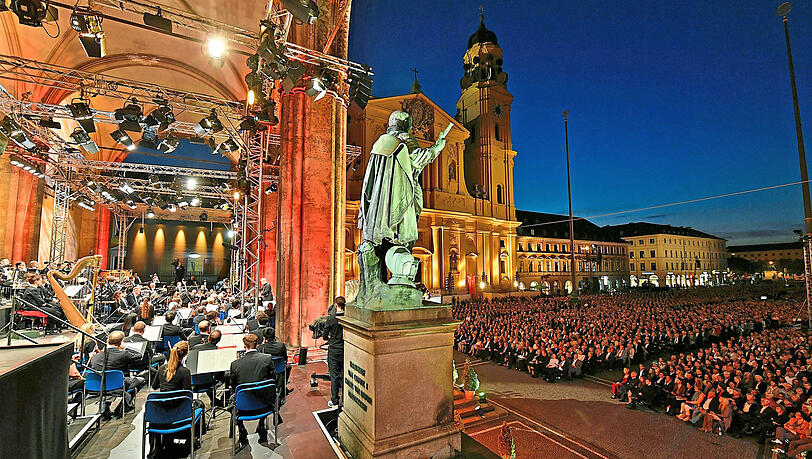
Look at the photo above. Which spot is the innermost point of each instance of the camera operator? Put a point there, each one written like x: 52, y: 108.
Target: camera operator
x: 334, y: 334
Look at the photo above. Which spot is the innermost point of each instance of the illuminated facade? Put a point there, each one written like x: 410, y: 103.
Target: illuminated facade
x: 670, y: 256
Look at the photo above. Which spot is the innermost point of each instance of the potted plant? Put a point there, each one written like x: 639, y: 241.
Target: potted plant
x: 470, y: 383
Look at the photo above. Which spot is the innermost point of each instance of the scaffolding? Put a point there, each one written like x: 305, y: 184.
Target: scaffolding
x: 59, y: 223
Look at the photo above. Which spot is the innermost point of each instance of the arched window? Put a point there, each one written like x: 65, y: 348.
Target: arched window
x: 499, y: 197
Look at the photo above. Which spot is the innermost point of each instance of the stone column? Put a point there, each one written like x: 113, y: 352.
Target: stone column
x: 311, y: 199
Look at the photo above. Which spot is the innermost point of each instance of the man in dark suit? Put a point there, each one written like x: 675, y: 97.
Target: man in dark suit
x: 120, y: 358
x: 260, y: 325
x: 211, y: 343
x: 170, y: 329
x: 34, y: 294
x: 334, y: 334
x: 252, y: 367
x: 276, y: 349
x: 138, y: 337
x: 201, y: 338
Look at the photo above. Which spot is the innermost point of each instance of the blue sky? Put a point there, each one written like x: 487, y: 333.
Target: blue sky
x: 668, y: 101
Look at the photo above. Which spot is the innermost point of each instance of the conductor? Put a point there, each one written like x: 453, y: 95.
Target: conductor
x: 334, y: 334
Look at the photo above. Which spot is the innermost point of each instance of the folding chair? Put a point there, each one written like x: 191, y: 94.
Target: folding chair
x: 168, y: 413
x: 201, y: 384
x: 113, y: 385
x: 251, y: 402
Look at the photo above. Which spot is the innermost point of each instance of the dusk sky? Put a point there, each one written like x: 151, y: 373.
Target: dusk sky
x: 668, y: 101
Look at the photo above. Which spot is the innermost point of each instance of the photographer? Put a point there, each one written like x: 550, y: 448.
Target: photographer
x: 334, y: 334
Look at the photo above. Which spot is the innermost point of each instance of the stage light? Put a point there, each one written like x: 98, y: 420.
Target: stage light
x: 183, y: 203
x: 80, y: 111
x: 191, y: 183
x: 162, y: 117
x: 33, y: 13
x: 268, y: 113
x: 217, y: 48
x: 248, y: 123
x: 129, y: 116
x: 85, y: 203
x: 236, y: 195
x: 204, y: 217
x: 209, y: 124
x: 125, y: 187
x: 172, y: 208
x: 250, y: 97
x: 482, y: 285
x: 230, y: 233
x: 227, y: 146
x: 48, y: 122
x: 15, y: 161
x: 271, y: 51
x: 195, y: 202
x: 130, y: 203
x: 169, y: 144
x: 154, y: 179
x: 158, y: 21
x: 88, y: 24
x: 293, y: 76
x: 303, y: 11
x: 149, y: 138
x: 223, y: 206
x: 272, y: 188
x: 316, y: 87
x: 123, y: 138
x: 13, y: 131
x: 360, y: 83
x: 83, y: 139
x: 150, y: 213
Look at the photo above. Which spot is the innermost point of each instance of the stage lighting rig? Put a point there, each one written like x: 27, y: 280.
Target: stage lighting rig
x: 169, y: 144
x: 80, y: 111
x: 204, y: 217
x: 268, y: 113
x: 129, y: 116
x: 227, y: 146
x: 217, y: 48
x: 83, y: 140
x: 158, y: 21
x: 195, y: 202
x: 130, y: 203
x: 162, y: 117
x: 123, y: 138
x: 149, y: 139
x: 85, y: 203
x: 318, y: 85
x: 191, y: 183
x: 48, y: 122
x: 13, y: 131
x: 150, y: 213
x: 209, y: 124
x: 183, y: 203
x: 360, y: 86
x: 33, y: 12
x: 125, y: 187
x: 88, y: 24
x: 248, y: 123
x: 303, y: 11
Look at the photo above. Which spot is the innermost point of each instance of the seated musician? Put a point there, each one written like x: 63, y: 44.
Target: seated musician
x: 34, y: 295
x: 200, y: 316
x: 275, y: 349
x: 259, y: 325
x: 202, y: 337
x: 119, y: 358
x: 251, y: 367
x: 86, y: 346
x: 170, y: 329
x: 146, y: 312
x: 137, y: 336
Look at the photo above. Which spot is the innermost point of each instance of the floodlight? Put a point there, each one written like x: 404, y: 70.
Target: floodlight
x: 129, y: 117
x: 33, y: 12
x: 303, y: 11
x: 183, y: 203
x: 172, y: 208
x: 191, y: 183
x: 194, y: 202
x: 80, y: 111
x: 150, y: 213
x: 123, y: 138
x: 169, y: 144
x: 13, y: 131
x: 125, y: 187
x: 209, y: 124
x: 248, y: 123
x: 162, y: 117
x: 158, y: 21
x: 360, y: 86
x: 226, y: 147
x: 88, y: 25
x: 316, y: 87
x: 85, y: 203
x: 48, y: 122
x: 268, y: 113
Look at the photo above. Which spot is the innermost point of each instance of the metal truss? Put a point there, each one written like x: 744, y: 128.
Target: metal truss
x: 247, y: 217
x: 122, y: 224
x: 59, y: 222
x: 96, y: 84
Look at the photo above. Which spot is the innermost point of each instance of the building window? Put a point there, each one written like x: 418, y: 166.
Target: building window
x: 502, y: 244
x: 642, y: 266
x: 642, y: 254
x: 496, y: 132
x: 520, y: 247
x: 499, y: 198
x: 653, y: 266
x: 631, y: 255
x: 651, y: 241
x: 502, y: 268
x: 652, y: 254
x: 641, y: 242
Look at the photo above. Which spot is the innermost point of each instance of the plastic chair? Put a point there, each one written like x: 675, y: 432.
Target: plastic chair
x: 170, y: 412
x: 251, y: 403
x: 169, y: 342
x: 113, y: 382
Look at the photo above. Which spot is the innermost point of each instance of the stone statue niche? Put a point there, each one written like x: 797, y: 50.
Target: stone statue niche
x: 391, y: 203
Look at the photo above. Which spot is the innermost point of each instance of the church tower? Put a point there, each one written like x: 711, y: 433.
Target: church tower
x: 484, y: 109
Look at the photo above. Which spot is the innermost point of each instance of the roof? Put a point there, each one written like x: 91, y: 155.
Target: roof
x: 557, y: 226
x: 764, y: 247
x: 646, y: 229
x: 482, y: 34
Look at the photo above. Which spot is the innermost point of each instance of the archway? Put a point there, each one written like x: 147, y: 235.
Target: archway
x: 568, y: 287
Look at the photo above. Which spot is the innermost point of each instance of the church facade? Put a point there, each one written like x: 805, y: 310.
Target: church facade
x: 468, y: 231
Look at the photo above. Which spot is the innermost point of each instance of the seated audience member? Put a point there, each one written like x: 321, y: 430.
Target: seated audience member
x: 170, y: 329
x: 251, y: 367
x: 119, y: 358
x: 200, y: 338
x: 722, y: 417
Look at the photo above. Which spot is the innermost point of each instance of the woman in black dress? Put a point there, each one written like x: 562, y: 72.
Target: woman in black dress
x: 146, y: 312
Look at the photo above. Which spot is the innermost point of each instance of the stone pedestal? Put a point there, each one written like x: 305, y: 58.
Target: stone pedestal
x: 398, y: 399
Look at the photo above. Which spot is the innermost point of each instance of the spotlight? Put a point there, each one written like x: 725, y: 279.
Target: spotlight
x: 154, y: 179
x: 248, y: 123
x: 172, y: 208
x: 129, y: 117
x: 191, y: 183
x: 129, y: 202
x: 268, y: 113
x: 226, y: 147
x: 360, y: 86
x: 217, y: 48
x: 158, y: 21
x: 150, y: 213
x: 272, y: 188
x: 209, y: 124
x: 123, y: 138
x: 275, y: 64
x: 162, y: 117
x: 149, y: 138
x: 125, y: 187
x: 230, y: 233
x: 317, y: 86
x: 33, y: 13
x: 13, y: 131
x: 204, y: 217
x: 80, y: 111
x: 195, y: 202
x: 82, y: 139
x: 183, y: 203
x: 303, y: 11
x: 223, y: 206
x: 88, y: 24
x: 48, y: 122
x: 224, y: 186
x: 292, y: 78
x: 169, y: 144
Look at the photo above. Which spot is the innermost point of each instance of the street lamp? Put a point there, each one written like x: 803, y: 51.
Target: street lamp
x: 572, y: 225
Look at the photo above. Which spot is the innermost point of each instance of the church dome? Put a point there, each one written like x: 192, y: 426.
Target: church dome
x: 482, y: 35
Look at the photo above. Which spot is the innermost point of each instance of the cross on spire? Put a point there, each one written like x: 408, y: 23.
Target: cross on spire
x: 415, y: 86
x: 414, y: 70
x: 481, y: 13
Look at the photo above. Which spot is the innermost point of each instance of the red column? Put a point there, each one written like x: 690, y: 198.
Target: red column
x: 267, y: 251
x: 103, y: 235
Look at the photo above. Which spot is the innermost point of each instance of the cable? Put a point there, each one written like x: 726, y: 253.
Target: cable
x: 678, y: 203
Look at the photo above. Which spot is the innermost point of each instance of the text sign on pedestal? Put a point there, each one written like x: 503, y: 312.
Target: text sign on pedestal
x: 357, y: 386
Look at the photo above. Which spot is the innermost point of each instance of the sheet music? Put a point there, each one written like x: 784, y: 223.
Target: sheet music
x: 231, y: 341
x: 234, y: 312
x: 211, y: 307
x: 185, y: 313
x: 72, y: 290
x: 153, y: 333
x: 138, y: 346
x: 230, y: 329
x: 213, y: 361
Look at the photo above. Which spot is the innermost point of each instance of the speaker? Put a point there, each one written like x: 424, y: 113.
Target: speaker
x: 303, y: 356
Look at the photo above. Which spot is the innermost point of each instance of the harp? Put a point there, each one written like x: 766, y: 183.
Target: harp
x: 73, y: 314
